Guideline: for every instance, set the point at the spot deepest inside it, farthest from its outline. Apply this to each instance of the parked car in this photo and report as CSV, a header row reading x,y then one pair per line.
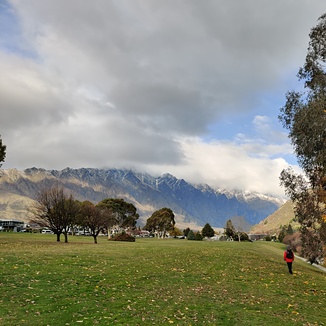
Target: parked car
x,y
45,231
83,233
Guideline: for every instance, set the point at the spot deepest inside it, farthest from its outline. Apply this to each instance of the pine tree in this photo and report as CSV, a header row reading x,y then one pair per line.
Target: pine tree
x,y
207,231
198,236
191,235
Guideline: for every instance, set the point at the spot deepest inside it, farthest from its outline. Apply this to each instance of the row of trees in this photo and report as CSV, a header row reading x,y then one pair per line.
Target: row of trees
x,y
207,231
61,212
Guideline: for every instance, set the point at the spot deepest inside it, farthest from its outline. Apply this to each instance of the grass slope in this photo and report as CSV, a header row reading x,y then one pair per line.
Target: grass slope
x,y
154,282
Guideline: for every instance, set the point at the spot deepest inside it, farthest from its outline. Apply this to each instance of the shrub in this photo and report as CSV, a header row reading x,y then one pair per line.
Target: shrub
x,y
285,230
244,236
124,237
294,241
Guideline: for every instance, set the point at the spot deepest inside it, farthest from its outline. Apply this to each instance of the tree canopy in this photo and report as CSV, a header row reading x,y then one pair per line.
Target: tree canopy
x,y
123,214
304,115
161,221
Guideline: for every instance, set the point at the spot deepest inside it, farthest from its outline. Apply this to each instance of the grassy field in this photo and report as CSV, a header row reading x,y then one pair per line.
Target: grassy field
x,y
154,282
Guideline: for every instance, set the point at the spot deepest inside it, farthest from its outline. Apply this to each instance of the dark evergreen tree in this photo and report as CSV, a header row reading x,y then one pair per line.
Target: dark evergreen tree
x,y
282,233
207,231
186,231
229,229
289,229
191,235
198,236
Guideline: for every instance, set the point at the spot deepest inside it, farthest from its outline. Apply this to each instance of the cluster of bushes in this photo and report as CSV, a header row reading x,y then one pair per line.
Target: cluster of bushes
x,y
291,238
270,238
285,230
207,231
294,241
123,237
194,236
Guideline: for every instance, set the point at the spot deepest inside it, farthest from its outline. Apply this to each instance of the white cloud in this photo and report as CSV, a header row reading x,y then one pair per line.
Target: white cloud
x,y
230,164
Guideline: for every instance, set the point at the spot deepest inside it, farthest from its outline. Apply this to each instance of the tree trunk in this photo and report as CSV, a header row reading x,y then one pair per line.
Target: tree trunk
x,y
95,238
66,237
109,233
58,237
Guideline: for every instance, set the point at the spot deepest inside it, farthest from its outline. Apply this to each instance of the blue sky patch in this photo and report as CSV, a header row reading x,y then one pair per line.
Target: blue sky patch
x,y
11,34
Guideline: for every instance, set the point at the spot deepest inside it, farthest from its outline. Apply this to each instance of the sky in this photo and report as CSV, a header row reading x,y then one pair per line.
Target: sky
x,y
187,87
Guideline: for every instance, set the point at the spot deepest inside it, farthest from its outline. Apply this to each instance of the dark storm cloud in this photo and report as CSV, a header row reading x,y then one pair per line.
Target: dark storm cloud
x,y
132,81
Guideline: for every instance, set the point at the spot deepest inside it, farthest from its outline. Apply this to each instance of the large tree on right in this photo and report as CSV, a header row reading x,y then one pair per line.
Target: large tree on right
x,y
304,115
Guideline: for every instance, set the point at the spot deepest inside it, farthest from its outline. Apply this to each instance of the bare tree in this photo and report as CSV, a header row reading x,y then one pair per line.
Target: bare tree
x,y
56,210
93,218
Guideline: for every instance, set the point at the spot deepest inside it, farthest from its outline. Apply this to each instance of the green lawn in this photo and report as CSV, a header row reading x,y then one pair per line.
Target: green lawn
x,y
154,282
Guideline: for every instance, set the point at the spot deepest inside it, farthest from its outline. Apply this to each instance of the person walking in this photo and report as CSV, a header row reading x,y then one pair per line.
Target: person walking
x,y
289,258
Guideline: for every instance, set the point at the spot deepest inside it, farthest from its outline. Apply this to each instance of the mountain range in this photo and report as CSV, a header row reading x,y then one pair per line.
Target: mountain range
x,y
194,205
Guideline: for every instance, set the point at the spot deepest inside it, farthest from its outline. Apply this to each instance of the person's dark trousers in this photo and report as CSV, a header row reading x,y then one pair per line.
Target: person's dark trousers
x,y
290,267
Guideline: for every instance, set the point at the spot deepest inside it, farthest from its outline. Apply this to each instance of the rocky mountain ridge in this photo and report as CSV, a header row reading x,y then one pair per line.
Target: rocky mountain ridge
x,y
192,204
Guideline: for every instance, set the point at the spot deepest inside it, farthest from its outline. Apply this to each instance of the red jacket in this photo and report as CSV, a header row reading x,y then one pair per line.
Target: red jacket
x,y
288,260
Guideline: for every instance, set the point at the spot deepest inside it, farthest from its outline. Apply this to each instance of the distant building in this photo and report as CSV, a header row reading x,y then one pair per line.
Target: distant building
x,y
11,225
254,237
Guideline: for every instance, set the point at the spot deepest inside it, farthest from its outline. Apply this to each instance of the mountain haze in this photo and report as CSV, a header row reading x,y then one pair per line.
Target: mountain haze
x,y
193,205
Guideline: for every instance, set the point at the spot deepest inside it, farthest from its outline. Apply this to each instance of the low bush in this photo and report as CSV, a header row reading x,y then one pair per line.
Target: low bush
x,y
294,241
124,237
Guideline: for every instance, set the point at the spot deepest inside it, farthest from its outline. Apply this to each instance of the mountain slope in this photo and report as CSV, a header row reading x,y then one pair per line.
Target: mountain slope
x,y
273,223
192,204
